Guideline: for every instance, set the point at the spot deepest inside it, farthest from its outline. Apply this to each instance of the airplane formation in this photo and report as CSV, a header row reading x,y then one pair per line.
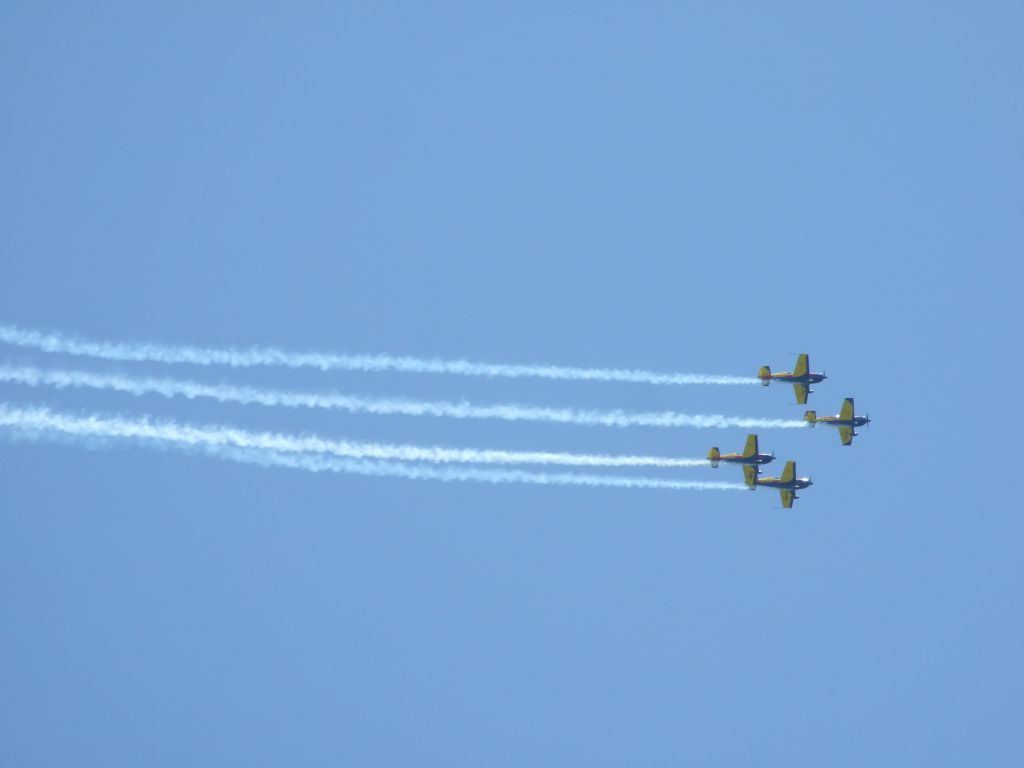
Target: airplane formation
x,y
751,458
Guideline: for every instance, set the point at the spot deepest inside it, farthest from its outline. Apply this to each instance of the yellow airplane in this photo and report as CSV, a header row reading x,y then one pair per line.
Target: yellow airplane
x,y
788,484
846,421
801,378
749,455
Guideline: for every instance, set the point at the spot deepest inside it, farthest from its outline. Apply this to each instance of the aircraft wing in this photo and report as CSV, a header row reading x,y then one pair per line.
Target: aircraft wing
x,y
789,473
787,498
846,435
801,391
750,476
750,449
803,365
846,412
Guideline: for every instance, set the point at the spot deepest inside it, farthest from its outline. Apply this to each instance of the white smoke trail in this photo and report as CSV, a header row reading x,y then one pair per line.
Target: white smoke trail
x,y
98,426
270,450
225,393
266,356
316,463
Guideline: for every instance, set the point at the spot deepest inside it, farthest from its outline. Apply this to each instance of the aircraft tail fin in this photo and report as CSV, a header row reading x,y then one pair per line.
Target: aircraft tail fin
x,y
750,449
750,476
811,417
765,375
713,456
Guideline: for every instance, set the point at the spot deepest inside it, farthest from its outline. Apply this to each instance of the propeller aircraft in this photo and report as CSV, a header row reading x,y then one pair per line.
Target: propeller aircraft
x,y
750,455
845,421
788,484
801,378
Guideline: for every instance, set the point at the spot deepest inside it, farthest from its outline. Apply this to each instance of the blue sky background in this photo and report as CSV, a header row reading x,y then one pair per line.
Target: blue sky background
x,y
700,187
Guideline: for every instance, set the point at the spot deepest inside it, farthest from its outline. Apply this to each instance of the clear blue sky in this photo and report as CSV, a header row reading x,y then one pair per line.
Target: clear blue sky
x,y
698,187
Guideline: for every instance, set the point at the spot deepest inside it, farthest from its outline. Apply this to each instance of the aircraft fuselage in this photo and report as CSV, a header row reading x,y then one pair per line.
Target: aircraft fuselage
x,y
835,421
739,458
790,378
796,484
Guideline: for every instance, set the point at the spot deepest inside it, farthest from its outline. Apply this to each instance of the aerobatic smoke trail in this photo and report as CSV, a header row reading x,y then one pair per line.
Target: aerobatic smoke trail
x,y
268,441
317,463
265,356
227,393
281,451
